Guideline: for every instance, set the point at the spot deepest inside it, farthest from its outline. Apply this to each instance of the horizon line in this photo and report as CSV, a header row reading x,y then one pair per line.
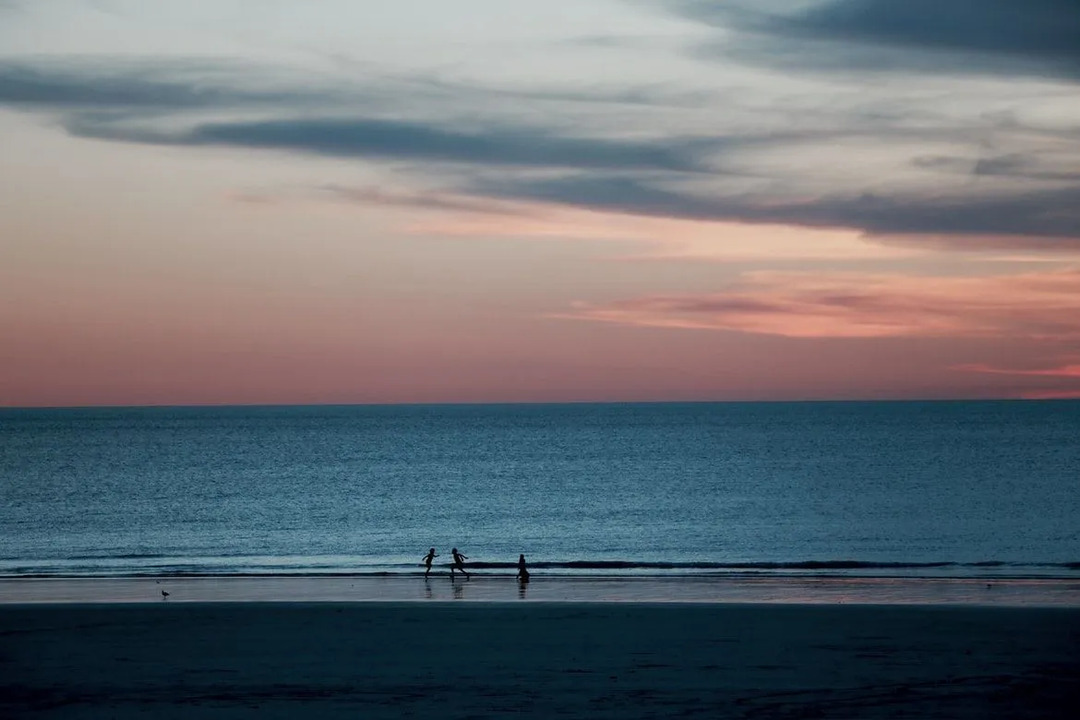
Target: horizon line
x,y
521,403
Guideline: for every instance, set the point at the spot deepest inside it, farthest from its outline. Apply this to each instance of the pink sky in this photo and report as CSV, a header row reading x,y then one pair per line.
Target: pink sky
x,y
328,204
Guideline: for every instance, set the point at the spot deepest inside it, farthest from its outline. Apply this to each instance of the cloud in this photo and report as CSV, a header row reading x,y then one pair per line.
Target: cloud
x,y
651,95
765,176
1060,168
1028,167
477,144
1053,212
148,85
1062,371
426,200
110,83
1033,37
1052,394
1062,374
647,177
641,239
129,102
1033,306
483,145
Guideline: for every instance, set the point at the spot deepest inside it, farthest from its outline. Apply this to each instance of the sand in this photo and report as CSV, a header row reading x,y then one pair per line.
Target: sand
x,y
807,589
490,660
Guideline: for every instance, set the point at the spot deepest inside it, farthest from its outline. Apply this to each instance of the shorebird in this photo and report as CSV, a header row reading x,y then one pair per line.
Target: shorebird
x,y
164,595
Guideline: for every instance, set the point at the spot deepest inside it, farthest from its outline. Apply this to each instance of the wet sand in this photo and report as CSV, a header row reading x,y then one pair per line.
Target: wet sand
x,y
486,587
495,659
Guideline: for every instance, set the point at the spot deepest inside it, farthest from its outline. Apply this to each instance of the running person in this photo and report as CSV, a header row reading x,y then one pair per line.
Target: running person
x,y
459,563
427,561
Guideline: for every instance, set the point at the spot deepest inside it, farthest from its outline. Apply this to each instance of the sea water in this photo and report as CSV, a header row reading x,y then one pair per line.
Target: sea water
x,y
952,489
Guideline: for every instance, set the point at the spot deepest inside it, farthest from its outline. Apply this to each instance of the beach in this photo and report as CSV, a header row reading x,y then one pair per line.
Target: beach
x,y
541,659
489,586
832,560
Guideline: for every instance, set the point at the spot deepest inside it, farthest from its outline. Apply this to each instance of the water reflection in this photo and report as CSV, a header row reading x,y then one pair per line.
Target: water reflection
x,y
1062,592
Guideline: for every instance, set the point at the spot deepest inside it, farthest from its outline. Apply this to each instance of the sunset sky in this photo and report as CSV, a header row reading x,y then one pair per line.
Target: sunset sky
x,y
343,201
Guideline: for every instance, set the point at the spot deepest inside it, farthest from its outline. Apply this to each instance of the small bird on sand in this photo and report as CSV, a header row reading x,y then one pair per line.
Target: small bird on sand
x,y
164,595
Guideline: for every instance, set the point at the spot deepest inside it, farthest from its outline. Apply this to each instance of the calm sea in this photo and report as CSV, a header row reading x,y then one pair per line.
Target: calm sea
x,y
936,488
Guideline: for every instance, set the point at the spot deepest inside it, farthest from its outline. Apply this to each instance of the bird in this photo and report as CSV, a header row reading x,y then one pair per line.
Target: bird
x,y
164,595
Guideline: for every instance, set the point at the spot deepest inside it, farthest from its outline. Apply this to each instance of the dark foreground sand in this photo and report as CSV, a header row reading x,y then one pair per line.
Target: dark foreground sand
x,y
450,660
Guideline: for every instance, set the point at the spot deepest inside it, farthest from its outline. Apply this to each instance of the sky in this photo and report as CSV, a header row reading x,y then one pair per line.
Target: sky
x,y
339,201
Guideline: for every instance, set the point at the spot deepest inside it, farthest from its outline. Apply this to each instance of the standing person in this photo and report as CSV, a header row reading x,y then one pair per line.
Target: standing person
x,y
459,563
427,561
523,572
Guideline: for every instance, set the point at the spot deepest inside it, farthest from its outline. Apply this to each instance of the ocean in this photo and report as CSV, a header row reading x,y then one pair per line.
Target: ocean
x,y
939,489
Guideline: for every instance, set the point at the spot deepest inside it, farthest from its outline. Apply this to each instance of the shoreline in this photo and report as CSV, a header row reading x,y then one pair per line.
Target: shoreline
x,y
488,588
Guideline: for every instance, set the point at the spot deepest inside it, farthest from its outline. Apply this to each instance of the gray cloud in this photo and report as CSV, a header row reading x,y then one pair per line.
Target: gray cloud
x,y
484,146
201,84
125,102
1051,213
1028,167
1023,166
480,144
1036,37
190,85
491,159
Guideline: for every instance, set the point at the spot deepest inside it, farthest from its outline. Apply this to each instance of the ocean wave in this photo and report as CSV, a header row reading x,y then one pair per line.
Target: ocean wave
x,y
764,565
212,567
121,556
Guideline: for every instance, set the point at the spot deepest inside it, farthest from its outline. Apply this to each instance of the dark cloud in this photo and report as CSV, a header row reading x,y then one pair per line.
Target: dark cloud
x,y
851,38
1038,37
197,84
1028,167
643,176
1021,166
123,102
1052,213
175,86
483,145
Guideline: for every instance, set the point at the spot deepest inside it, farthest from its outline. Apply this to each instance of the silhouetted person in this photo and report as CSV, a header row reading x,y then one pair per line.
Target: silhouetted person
x,y
427,561
459,563
523,572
